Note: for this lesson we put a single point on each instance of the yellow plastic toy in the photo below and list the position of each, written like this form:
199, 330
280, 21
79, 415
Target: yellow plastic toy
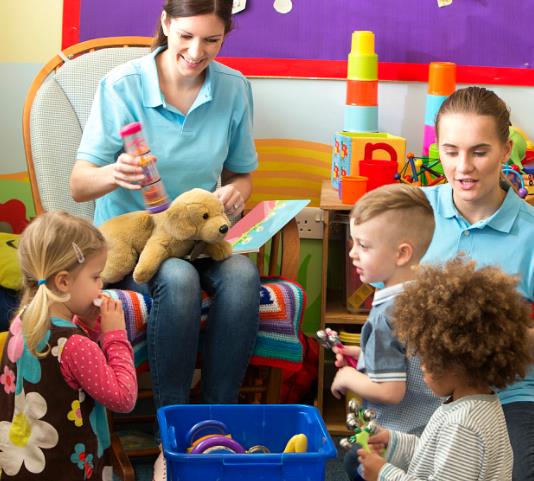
297, 444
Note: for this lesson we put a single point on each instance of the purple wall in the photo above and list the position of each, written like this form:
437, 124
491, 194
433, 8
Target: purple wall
469, 32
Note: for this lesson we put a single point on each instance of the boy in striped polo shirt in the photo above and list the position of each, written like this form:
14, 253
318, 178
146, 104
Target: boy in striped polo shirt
469, 328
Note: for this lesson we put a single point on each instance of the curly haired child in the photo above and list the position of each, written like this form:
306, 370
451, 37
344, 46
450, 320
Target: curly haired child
55, 380
469, 328
391, 228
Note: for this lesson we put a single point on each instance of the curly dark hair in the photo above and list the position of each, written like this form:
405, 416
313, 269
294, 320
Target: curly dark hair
471, 321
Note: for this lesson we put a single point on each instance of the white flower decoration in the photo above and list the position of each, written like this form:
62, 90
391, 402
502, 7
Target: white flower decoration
22, 440
58, 349
107, 473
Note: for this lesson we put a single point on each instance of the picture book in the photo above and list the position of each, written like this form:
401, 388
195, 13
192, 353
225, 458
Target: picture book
262, 223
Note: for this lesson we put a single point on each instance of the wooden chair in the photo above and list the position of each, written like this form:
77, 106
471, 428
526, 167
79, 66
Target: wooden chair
55, 112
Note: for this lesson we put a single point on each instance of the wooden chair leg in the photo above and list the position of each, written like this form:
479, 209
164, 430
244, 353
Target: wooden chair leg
274, 384
121, 463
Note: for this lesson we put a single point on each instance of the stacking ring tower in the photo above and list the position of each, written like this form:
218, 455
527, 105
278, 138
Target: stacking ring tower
361, 105
441, 83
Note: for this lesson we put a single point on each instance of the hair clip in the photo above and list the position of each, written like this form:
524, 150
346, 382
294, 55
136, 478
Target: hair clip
79, 253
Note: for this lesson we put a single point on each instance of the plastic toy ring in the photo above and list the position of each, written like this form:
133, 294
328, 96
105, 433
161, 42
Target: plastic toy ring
212, 444
204, 428
258, 449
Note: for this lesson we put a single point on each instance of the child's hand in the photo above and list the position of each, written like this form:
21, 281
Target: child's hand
350, 351
371, 464
379, 441
341, 381
111, 315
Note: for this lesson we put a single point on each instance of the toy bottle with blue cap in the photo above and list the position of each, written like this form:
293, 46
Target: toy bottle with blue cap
154, 193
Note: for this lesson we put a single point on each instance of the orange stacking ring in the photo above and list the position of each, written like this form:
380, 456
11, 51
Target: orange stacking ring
362, 92
441, 78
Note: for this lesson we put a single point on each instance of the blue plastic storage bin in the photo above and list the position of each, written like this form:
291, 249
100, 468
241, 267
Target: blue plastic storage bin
249, 424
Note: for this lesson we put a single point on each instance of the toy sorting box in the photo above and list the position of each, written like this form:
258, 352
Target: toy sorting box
380, 153
271, 425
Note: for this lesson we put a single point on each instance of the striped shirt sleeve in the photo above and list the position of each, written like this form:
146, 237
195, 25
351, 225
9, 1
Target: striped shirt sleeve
401, 449
458, 454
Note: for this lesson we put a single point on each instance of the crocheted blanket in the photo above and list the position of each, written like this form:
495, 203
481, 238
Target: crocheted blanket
278, 343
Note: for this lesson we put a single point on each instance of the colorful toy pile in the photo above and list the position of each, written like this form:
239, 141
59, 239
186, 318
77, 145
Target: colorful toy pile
294, 434
212, 436
363, 158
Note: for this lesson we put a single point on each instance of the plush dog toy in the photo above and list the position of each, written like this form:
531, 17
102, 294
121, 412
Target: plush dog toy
196, 215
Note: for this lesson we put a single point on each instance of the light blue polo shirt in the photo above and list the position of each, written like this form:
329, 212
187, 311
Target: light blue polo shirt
504, 239
191, 149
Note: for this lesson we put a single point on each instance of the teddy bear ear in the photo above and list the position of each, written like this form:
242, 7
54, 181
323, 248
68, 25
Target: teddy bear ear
181, 223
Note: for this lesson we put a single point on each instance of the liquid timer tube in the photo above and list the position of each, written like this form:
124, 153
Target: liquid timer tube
154, 194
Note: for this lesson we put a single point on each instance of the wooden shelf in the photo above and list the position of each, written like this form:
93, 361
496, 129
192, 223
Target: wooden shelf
337, 313
335, 415
330, 198
334, 311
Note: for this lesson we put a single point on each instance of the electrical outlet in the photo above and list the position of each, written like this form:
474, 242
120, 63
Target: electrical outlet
310, 223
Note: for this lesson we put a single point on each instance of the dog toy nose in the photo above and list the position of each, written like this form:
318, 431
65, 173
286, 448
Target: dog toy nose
223, 229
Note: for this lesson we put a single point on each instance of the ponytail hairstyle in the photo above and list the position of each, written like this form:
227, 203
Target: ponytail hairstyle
192, 8
53, 242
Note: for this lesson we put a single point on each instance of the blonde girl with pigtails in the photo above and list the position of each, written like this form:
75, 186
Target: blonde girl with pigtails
67, 357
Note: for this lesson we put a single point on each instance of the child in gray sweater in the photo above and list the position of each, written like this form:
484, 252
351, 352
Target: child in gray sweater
469, 328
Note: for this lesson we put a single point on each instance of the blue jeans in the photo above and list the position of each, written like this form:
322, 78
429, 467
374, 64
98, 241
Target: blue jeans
351, 464
520, 422
8, 306
174, 326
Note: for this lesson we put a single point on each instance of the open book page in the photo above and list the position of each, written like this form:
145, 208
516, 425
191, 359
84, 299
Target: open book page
262, 223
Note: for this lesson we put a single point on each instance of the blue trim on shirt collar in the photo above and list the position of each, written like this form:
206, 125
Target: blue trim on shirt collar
502, 220
152, 95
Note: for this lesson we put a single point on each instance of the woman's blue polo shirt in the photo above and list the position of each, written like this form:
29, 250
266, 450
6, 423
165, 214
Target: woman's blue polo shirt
504, 239
191, 149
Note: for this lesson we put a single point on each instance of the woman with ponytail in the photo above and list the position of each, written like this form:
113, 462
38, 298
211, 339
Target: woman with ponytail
67, 357
478, 213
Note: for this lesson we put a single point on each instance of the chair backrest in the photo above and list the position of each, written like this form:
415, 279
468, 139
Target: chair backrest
56, 110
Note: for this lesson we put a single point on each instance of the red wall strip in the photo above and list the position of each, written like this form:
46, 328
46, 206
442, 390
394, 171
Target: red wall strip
71, 23
337, 69
328, 69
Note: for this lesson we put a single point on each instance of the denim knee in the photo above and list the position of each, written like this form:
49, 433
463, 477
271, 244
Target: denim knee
520, 423
239, 272
177, 278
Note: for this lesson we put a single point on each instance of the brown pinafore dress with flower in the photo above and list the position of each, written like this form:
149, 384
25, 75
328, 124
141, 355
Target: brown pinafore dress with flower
48, 431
